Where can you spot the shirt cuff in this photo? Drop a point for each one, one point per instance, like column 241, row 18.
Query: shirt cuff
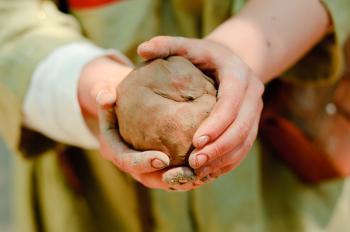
column 51, row 103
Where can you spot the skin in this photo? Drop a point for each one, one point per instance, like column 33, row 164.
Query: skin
column 169, row 100
column 244, row 53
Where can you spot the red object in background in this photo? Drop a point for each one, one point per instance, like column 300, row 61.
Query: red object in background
column 85, row 4
column 309, row 128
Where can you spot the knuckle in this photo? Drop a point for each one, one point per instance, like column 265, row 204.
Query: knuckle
column 227, row 169
column 258, row 84
column 179, row 39
column 222, row 161
column 218, row 150
column 242, row 71
column 241, row 74
column 261, row 104
column 160, row 39
column 247, row 145
column 215, row 175
column 243, row 130
column 260, row 87
column 126, row 163
column 231, row 158
column 210, row 127
column 119, row 163
column 233, row 103
column 206, row 60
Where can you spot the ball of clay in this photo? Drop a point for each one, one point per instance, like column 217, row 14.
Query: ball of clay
column 161, row 104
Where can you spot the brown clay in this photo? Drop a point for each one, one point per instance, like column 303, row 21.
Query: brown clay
column 161, row 104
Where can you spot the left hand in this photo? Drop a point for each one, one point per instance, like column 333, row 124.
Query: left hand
column 97, row 97
column 226, row 136
column 136, row 163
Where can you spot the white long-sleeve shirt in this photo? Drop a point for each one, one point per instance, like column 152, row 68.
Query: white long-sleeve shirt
column 51, row 103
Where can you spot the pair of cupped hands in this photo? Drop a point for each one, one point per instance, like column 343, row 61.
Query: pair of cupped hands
column 222, row 140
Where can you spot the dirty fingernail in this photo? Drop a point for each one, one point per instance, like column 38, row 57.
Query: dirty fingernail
column 157, row 163
column 183, row 181
column 201, row 141
column 201, row 159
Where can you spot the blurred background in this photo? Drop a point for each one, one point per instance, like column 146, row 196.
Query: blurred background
column 6, row 168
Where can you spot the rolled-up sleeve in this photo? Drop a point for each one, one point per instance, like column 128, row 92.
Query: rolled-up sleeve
column 30, row 31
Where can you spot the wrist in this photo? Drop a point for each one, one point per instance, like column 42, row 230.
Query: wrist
column 269, row 37
column 244, row 39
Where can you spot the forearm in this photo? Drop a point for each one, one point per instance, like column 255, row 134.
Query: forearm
column 271, row 35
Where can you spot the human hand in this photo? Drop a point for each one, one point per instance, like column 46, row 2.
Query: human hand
column 226, row 136
column 142, row 166
column 97, row 97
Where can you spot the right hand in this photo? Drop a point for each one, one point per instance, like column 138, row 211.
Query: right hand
column 224, row 139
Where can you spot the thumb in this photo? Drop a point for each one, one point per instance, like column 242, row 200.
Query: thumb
column 105, row 97
column 158, row 47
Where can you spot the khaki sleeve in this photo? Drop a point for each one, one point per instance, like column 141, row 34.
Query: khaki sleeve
column 30, row 30
column 325, row 63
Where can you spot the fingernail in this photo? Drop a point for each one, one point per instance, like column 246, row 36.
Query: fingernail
column 103, row 97
column 201, row 141
column 201, row 159
column 157, row 163
column 183, row 181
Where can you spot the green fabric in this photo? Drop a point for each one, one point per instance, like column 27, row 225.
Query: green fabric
column 30, row 30
column 9, row 108
column 6, row 188
column 261, row 195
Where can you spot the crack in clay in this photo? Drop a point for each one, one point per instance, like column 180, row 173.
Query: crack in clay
column 149, row 117
column 184, row 98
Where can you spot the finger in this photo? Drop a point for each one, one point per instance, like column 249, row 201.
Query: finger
column 156, row 180
column 202, row 54
column 233, row 158
column 180, row 179
column 224, row 170
column 141, row 162
column 235, row 134
column 230, row 158
column 120, row 154
column 231, row 92
column 152, row 180
column 178, row 176
column 206, row 55
column 227, row 169
column 163, row 46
